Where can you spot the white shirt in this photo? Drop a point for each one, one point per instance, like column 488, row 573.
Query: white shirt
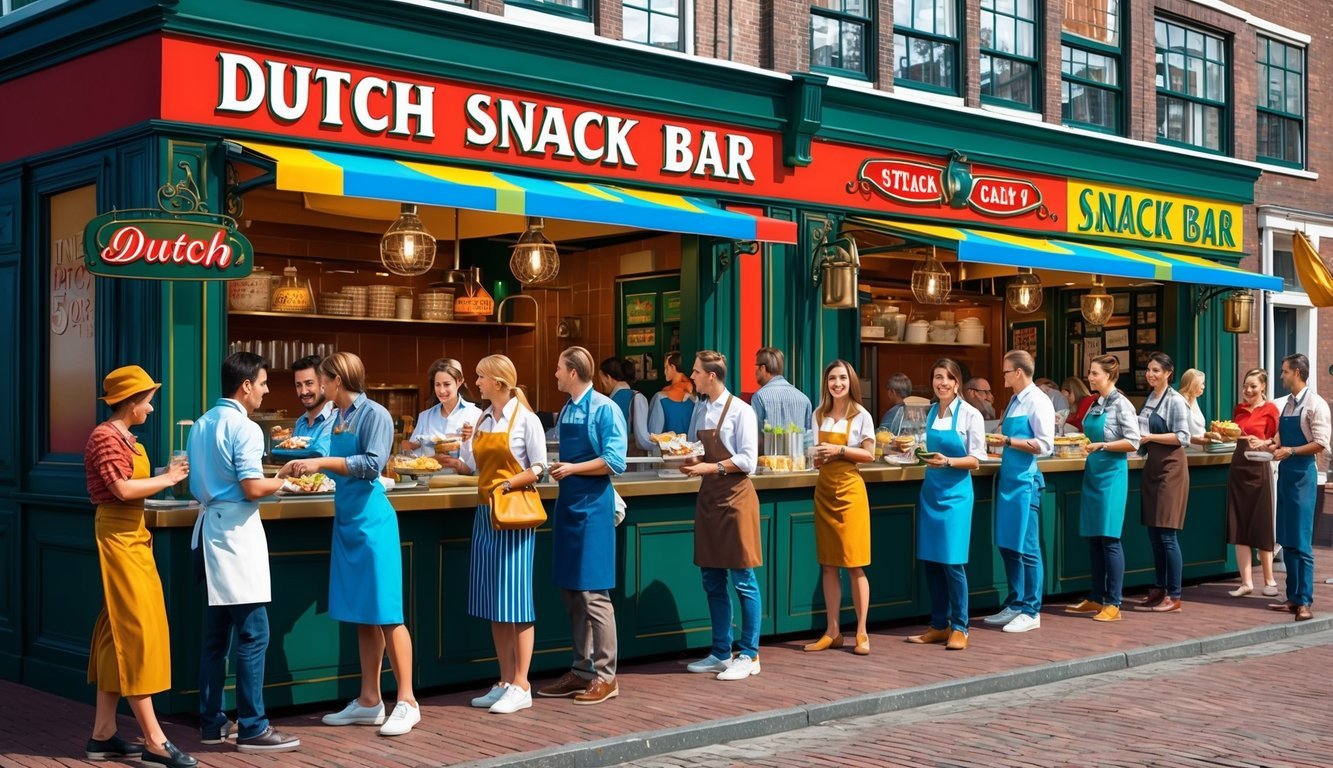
column 739, row 433
column 1033, row 403
column 527, row 441
column 1314, row 414
column 863, row 427
column 432, row 422
column 971, row 426
column 1197, row 426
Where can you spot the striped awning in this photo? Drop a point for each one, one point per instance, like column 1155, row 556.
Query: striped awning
column 318, row 171
column 976, row 246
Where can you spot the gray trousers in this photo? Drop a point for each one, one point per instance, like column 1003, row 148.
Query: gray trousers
column 592, row 622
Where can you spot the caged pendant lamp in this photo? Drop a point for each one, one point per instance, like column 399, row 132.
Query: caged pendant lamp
column 1024, row 292
column 1097, row 305
column 407, row 248
column 931, row 282
column 535, row 259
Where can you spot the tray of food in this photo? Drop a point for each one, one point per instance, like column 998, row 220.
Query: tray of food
column 901, row 449
column 775, row 464
column 1226, row 431
column 446, row 445
column 416, row 466
column 308, row 485
column 293, row 447
column 1070, row 446
column 677, row 449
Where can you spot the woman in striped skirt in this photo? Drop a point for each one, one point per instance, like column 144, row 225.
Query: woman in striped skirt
column 507, row 450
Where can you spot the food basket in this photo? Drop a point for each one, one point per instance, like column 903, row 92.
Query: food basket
column 416, row 466
column 308, row 485
column 1070, row 447
column 677, row 450
column 1229, row 431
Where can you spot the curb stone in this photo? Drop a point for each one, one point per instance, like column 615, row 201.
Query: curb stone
column 636, row 746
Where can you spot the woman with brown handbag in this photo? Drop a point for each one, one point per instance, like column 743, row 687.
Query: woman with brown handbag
column 507, row 451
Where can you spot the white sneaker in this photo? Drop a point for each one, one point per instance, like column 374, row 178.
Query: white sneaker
column 355, row 714
column 710, row 663
column 492, row 696
column 1023, row 623
column 741, row 668
column 1003, row 617
column 401, row 721
column 513, row 700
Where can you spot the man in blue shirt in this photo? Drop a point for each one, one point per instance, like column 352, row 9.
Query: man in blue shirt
column 777, row 402
column 317, row 423
column 593, row 439
column 226, row 452
column 898, row 389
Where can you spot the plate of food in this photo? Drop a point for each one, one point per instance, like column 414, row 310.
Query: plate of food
column 928, row 455
column 293, row 447
column 676, row 448
column 307, row 485
column 1070, row 446
column 416, row 466
column 1227, row 431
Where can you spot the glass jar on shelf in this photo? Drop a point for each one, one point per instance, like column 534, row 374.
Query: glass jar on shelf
column 293, row 293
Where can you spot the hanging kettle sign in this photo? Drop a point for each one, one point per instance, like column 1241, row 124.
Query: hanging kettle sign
column 179, row 240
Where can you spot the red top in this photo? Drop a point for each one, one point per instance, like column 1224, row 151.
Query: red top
column 1075, row 419
column 1259, row 422
column 108, row 457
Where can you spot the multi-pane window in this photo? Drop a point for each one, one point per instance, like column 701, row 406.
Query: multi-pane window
column 1090, row 83
column 9, row 6
column 1009, row 52
column 925, row 44
column 654, row 22
column 839, row 35
column 577, row 9
column 1281, row 91
column 1191, row 86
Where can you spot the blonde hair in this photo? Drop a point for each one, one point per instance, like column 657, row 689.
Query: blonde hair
column 347, row 368
column 853, row 392
column 1189, row 379
column 578, row 360
column 1075, row 384
column 501, row 369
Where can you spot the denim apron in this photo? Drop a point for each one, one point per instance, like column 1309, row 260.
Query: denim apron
column 583, row 534
column 1105, row 480
column 1296, row 477
column 944, row 512
column 1020, row 485
column 366, row 565
column 676, row 415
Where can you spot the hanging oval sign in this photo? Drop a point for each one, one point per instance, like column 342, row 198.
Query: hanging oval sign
column 155, row 245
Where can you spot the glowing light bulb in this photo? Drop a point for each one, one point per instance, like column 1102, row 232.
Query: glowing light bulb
column 409, row 249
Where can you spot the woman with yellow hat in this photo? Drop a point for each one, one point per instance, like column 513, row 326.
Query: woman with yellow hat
column 131, row 652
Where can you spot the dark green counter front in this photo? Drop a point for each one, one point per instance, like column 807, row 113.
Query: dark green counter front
column 660, row 602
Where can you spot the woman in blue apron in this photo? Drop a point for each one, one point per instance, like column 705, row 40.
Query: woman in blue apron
column 616, row 376
column 1018, row 494
column 1112, row 430
column 1163, row 434
column 670, row 409
column 1304, row 425
column 366, row 565
column 955, row 436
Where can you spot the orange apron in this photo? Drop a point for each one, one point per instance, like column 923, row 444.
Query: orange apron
column 130, row 652
column 495, row 462
column 842, row 509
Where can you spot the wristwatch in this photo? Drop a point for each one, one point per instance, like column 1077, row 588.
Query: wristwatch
column 506, row 486
column 1008, row 440
column 721, row 470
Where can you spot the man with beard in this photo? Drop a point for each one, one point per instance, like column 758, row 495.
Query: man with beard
column 317, row 423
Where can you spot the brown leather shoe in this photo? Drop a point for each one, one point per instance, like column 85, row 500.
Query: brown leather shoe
column 931, row 635
column 599, row 690
column 569, row 684
column 957, row 641
column 1168, row 605
column 1084, row 606
column 1303, row 613
column 824, row 643
column 1284, row 606
column 1154, row 597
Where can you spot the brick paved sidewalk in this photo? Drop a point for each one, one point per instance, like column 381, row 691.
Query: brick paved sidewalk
column 37, row 729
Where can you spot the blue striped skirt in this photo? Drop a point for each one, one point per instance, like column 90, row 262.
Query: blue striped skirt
column 500, row 574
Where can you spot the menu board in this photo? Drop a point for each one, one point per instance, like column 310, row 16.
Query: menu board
column 1133, row 332
column 648, row 325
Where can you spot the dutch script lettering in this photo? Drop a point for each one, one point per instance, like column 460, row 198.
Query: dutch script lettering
column 130, row 244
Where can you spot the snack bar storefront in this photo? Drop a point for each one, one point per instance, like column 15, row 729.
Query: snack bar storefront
column 693, row 206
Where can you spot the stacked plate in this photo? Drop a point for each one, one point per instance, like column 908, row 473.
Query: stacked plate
column 381, row 300
column 357, row 293
column 436, row 305
column 335, row 304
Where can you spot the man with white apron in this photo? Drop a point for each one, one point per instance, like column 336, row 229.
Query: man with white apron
column 1302, row 434
column 226, row 451
column 593, row 437
column 1029, row 431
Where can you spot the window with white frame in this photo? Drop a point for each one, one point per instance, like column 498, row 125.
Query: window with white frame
column 926, row 38
column 1290, row 323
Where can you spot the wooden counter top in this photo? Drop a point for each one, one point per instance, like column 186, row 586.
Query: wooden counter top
column 465, row 498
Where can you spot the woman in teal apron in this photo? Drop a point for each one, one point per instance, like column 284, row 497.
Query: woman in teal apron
column 671, row 409
column 1112, row 430
column 944, row 509
column 366, row 565
column 617, row 375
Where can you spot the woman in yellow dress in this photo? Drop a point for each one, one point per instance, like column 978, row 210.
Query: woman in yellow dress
column 130, row 654
column 842, row 509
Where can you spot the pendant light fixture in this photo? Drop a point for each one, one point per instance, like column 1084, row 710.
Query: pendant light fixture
column 1098, row 305
column 931, row 282
column 1236, row 312
column 1024, row 293
column 407, row 248
column 836, row 266
column 535, row 259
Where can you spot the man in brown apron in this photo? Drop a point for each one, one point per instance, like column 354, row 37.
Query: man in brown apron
column 726, row 518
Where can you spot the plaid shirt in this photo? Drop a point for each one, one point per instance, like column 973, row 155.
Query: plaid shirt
column 779, row 403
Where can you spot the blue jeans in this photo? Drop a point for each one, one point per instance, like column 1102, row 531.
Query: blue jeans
column 1108, row 570
column 1024, row 571
column 1300, row 576
column 719, row 610
column 1166, row 560
column 948, row 595
column 251, row 625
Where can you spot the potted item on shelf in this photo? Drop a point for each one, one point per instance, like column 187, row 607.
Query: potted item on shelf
column 918, row 332
column 971, row 331
column 250, row 294
column 293, row 293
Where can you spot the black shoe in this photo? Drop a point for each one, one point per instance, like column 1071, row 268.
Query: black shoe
column 271, row 740
column 103, row 749
column 174, row 758
column 218, row 735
